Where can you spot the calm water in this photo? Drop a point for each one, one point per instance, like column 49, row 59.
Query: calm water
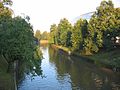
column 63, row 72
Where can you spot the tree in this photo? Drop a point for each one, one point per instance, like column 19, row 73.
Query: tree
column 64, row 30
column 45, row 35
column 6, row 2
column 19, row 36
column 17, row 40
column 102, row 25
column 78, row 34
column 5, row 11
column 53, row 34
column 68, row 39
column 38, row 35
column 5, row 17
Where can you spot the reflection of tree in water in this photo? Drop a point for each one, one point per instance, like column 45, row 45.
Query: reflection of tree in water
column 82, row 75
column 31, row 67
column 44, row 46
column 102, row 82
column 115, row 86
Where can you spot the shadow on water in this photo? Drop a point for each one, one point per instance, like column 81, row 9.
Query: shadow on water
column 83, row 75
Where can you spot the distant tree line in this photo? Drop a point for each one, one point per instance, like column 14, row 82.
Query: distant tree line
column 42, row 36
column 90, row 36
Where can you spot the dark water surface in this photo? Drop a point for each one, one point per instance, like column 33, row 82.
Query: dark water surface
column 63, row 72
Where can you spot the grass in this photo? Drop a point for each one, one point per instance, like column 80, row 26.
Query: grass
column 44, row 41
column 3, row 64
column 103, row 58
column 111, row 58
column 6, row 79
column 61, row 47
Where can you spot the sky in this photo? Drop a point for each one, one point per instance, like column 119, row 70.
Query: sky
column 44, row 13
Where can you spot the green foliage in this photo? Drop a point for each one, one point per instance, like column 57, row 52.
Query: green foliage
column 45, row 35
column 89, row 46
column 42, row 36
column 104, row 25
column 38, row 53
column 16, row 37
column 53, row 34
column 17, row 43
column 64, row 30
column 68, row 39
column 38, row 35
column 78, row 34
column 89, row 37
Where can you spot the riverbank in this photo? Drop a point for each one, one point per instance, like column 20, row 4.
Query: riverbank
column 6, row 79
column 44, row 42
column 61, row 48
column 109, row 59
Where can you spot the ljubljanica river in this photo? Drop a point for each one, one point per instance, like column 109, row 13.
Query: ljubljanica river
column 63, row 72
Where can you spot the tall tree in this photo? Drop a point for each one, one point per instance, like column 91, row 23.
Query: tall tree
column 45, row 35
column 17, row 39
column 64, row 30
column 53, row 34
column 102, row 25
column 78, row 34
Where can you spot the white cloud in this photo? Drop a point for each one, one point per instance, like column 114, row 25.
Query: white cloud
column 43, row 13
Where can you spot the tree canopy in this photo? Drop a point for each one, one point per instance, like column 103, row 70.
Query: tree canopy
column 17, row 40
column 91, row 36
column 64, row 32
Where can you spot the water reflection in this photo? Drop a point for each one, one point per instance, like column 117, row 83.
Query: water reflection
column 63, row 72
column 83, row 75
column 30, row 68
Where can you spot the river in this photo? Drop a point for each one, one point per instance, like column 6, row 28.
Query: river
column 63, row 72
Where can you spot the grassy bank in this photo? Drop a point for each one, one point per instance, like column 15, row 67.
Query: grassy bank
column 6, row 79
column 44, row 41
column 109, row 59
column 62, row 48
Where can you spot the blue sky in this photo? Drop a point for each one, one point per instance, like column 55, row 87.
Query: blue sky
column 43, row 13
